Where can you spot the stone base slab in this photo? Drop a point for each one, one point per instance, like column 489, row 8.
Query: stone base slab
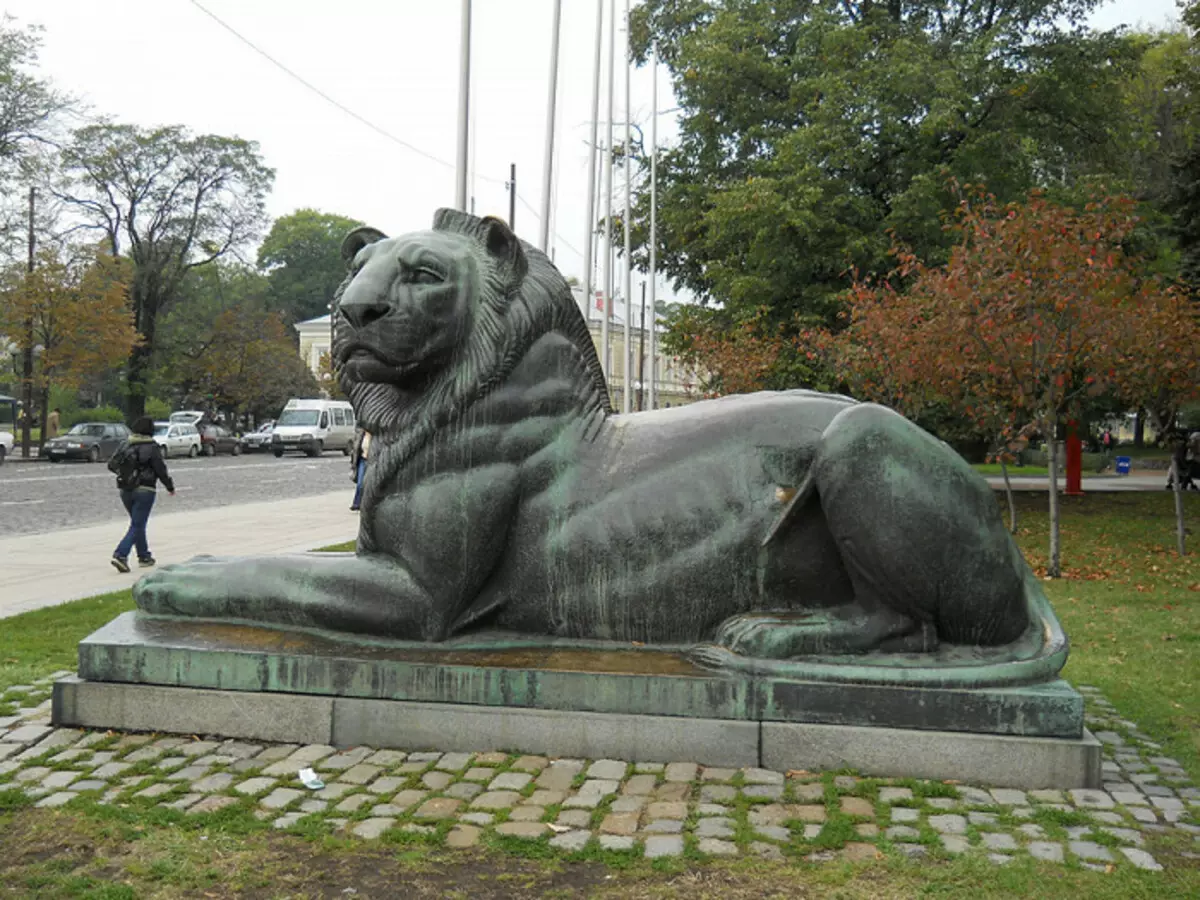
column 997, row 760
column 569, row 677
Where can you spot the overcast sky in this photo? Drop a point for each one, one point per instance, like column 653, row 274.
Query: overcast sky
column 395, row 63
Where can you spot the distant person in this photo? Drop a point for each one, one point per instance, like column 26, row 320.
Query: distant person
column 52, row 424
column 358, row 465
column 1180, row 451
column 139, row 466
column 1106, row 448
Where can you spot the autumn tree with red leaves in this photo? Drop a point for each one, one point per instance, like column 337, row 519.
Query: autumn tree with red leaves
column 1020, row 325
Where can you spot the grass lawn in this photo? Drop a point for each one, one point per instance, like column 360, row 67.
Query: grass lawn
column 1130, row 605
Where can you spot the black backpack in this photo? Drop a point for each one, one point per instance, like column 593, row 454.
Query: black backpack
column 124, row 464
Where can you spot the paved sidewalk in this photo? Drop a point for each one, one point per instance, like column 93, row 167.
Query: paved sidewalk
column 39, row 570
column 1094, row 485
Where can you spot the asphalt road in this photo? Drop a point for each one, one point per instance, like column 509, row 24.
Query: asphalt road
column 44, row 497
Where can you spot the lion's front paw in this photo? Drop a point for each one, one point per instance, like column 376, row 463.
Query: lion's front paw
column 195, row 588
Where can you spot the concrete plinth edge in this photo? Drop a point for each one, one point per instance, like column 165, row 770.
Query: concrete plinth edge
column 988, row 759
column 991, row 759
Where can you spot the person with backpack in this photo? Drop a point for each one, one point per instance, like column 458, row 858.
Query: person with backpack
column 139, row 466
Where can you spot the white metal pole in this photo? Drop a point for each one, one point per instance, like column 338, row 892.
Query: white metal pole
column 548, row 165
column 653, row 392
column 589, row 283
column 464, row 103
column 605, row 351
column 627, row 355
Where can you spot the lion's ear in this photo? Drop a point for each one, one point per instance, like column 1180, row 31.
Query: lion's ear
column 505, row 247
column 357, row 239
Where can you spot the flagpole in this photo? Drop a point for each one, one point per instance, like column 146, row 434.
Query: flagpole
column 653, row 392
column 588, row 259
column 627, row 356
column 605, row 353
column 548, row 166
column 464, row 102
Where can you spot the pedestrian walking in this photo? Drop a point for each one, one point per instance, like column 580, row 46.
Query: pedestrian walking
column 139, row 467
column 358, row 464
column 52, row 424
column 1106, row 448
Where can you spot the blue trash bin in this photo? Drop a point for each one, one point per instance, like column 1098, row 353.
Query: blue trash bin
column 1123, row 464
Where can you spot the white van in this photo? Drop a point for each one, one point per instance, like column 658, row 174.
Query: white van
column 314, row 426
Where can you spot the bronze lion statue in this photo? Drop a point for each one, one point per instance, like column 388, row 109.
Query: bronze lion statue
column 503, row 496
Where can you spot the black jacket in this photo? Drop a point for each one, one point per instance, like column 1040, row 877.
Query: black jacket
column 151, row 468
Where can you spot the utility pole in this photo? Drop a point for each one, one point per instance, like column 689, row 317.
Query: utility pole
column 642, row 351
column 464, row 103
column 627, row 350
column 589, row 282
column 512, row 197
column 548, row 163
column 605, row 350
column 27, row 386
column 653, row 229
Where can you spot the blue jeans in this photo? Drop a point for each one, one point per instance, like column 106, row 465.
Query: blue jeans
column 138, row 504
column 362, row 471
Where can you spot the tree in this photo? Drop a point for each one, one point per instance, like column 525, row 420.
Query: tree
column 810, row 129
column 302, row 257
column 29, row 106
column 76, row 313
column 1021, row 324
column 172, row 202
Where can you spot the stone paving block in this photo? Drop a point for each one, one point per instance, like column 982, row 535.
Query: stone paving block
column 313, row 806
column 1143, row 815
column 644, row 768
column 27, row 734
column 812, row 793
column 479, row 773
column 1141, row 859
column 192, row 749
column 954, row 843
column 510, row 781
column 344, row 760
column 640, row 785
column 628, row 804
column 546, row 798
column 437, row 808
column 710, row 793
column 1009, row 797
column 857, row 850
column 371, row 829
column 491, row 759
column 461, row 836
column 386, row 785
column 942, row 802
column 110, row 770
column 277, row 752
column 680, row 772
column 171, row 762
column 978, row 818
column 526, row 830
column 35, row 773
column 437, row 781
column 811, row 832
column 532, row 764
column 310, row 753
column 280, row 797
column 1089, row 798
column 211, row 759
column 496, row 800
column 386, row 758
column 892, row 794
column 905, row 814
column 7, row 750
column 994, row 840
column 902, row 833
column 1130, row 798
column 59, row 779
column 761, row 776
column 574, row 818
column 673, row 826
column 408, row 798
column 857, row 806
column 354, row 803
column 715, row 847
column 607, row 769
column 845, row 782
column 715, row 828
column 571, row 841
column 712, row 809
column 184, row 802
column 1124, row 835
column 617, row 842
column 1031, row 830
column 212, row 804
column 143, row 755
column 1167, row 803
column 673, row 791
column 335, row 791
column 252, row 786
column 425, row 756
column 975, row 796
column 527, row 814
column 454, row 762
column 213, row 783
column 948, row 824
column 1090, row 850
column 556, row 778
column 619, row 823
column 763, row 791
column 663, row 810
column 88, row 785
column 360, row 774
column 717, row 773
column 464, row 790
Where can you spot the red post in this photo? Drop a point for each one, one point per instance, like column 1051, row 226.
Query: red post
column 1074, row 461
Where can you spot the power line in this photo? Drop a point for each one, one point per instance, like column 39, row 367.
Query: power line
column 361, row 119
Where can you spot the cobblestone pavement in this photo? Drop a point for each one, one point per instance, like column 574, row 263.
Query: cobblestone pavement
column 36, row 498
column 640, row 808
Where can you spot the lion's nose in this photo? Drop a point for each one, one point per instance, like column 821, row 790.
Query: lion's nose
column 361, row 308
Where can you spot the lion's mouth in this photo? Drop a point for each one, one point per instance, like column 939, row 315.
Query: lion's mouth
column 365, row 366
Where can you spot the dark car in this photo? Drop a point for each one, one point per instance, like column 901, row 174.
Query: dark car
column 93, row 441
column 258, row 440
column 216, row 439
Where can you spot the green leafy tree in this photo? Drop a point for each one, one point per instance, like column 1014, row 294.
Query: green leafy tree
column 810, row 131
column 170, row 201
column 302, row 258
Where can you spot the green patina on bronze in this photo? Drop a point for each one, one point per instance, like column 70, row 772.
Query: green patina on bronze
column 645, row 681
column 771, row 539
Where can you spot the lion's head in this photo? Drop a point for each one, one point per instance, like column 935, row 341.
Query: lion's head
column 427, row 322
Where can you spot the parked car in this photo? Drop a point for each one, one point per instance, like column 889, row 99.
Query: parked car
column 93, row 441
column 8, row 426
column 177, row 437
column 187, row 417
column 258, row 440
column 216, row 439
column 314, row 426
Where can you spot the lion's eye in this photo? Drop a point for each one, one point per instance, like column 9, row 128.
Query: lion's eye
column 427, row 276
